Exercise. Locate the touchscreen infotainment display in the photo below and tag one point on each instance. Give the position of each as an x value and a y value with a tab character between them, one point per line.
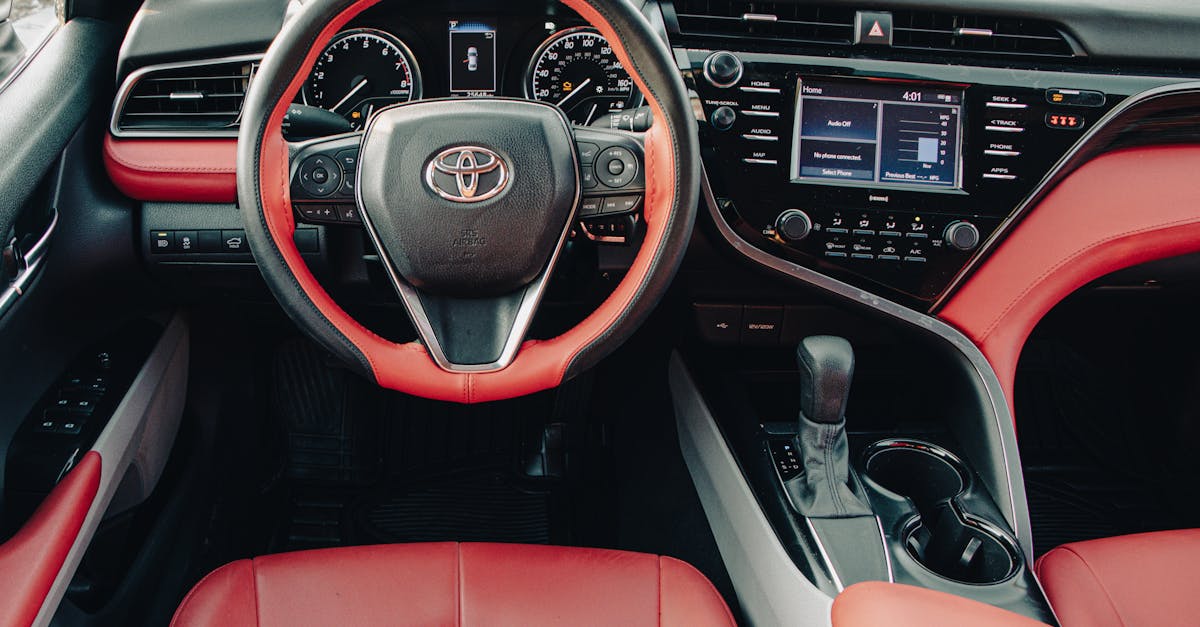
877	133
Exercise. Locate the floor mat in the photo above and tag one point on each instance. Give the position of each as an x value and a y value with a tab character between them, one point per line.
365	465
473	507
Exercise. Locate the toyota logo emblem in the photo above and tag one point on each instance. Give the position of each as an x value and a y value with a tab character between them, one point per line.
467	174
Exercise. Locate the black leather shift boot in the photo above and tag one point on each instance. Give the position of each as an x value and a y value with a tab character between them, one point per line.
823	491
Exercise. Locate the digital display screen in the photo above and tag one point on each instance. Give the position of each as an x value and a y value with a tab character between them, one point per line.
472	58
877	133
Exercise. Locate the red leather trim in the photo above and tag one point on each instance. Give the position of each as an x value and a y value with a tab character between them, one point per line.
33	557
455	584
1141	579
182	170
1118	210
408	367
871	604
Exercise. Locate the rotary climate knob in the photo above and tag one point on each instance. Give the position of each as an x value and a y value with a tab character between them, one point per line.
961	235
723	69
793	225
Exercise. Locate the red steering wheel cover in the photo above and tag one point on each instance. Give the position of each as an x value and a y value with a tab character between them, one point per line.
539	365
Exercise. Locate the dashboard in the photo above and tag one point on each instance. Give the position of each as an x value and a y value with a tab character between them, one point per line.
888	147
390	55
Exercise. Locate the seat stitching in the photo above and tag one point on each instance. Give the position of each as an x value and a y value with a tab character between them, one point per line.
1100	582
458	580
254	586
660	591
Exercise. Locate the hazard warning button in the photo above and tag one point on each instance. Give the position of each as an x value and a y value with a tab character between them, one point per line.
873	28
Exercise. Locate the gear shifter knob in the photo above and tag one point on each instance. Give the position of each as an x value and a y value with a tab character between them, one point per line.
826	369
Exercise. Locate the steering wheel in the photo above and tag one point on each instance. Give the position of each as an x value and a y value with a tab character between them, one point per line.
468	203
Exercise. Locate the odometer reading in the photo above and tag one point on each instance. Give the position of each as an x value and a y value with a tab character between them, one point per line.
360	72
577	70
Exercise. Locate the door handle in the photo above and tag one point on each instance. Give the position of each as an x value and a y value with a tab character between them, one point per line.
25	263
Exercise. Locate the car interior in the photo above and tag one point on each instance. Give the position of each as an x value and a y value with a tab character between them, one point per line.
599	312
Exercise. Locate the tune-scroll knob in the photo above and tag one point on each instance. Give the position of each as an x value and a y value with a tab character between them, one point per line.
723	118
961	235
723	69
793	225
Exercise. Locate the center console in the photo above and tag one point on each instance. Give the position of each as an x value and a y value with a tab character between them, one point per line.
890	176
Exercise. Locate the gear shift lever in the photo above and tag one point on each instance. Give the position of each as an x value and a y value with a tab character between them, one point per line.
823	491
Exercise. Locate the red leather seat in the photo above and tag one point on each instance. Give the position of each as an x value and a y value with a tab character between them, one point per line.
1141	579
454	584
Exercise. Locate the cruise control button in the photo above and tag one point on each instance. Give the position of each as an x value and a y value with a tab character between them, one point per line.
625	168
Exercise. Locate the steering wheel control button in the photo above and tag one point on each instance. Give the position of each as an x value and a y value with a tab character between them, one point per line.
723	69
723	118
587	153
620	204
962	235
793	225
320	176
619	167
590	206
348	214
588	178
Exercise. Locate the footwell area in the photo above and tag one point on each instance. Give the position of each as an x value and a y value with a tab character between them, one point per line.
1105	426
366	466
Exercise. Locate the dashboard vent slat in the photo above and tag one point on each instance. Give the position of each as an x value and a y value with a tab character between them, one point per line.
760	23
976	34
782	21
201	98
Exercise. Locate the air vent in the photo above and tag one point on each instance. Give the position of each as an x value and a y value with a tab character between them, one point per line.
920	30
804	23
782	21
202	98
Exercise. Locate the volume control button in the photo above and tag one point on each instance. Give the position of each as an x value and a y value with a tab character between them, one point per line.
793	225
723	69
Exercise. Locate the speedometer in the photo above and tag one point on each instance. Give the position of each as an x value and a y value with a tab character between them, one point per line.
360	72
577	70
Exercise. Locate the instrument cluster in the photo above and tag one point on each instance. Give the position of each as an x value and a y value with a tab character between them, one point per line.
551	56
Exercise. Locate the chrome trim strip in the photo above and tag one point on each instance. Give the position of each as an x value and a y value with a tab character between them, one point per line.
131	81
833	574
530	299
1015	509
1080	152
761	90
760	17
1006	105
887	554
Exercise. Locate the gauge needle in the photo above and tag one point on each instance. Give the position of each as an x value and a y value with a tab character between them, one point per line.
578	88
355	90
588	121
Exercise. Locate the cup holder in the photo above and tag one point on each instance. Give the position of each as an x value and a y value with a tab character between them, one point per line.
941	537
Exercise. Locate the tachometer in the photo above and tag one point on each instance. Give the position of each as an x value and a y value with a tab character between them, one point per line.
360	72
577	70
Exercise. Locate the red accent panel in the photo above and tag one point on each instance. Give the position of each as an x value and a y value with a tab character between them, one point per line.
408	367
452	584
871	604
33	557
1141	579
182	170
1118	210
